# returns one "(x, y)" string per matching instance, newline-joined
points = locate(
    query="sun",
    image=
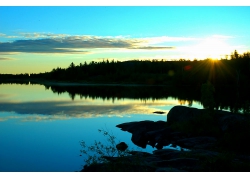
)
(212, 47)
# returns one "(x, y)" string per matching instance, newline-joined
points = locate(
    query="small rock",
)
(122, 146)
(159, 112)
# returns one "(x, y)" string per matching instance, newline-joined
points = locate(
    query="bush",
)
(96, 152)
(107, 158)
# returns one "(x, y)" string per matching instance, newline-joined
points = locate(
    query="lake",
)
(41, 126)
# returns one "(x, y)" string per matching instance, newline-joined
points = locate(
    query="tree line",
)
(233, 72)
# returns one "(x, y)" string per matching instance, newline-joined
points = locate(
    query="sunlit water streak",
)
(41, 131)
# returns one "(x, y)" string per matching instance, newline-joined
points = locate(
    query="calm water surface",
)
(40, 130)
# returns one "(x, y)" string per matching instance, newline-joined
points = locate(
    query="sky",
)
(36, 39)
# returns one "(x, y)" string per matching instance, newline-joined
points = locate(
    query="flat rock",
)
(195, 141)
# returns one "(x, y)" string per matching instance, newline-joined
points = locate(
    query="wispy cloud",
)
(6, 59)
(79, 110)
(162, 39)
(82, 44)
(152, 48)
(6, 36)
(36, 35)
(3, 119)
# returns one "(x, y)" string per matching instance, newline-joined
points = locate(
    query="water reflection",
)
(226, 98)
(86, 108)
(57, 118)
(96, 101)
(88, 102)
(114, 93)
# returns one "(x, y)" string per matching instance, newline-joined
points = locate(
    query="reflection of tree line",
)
(121, 92)
(225, 98)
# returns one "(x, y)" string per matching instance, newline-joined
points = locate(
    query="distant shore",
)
(94, 84)
(66, 83)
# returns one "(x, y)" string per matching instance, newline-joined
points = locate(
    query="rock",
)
(167, 169)
(137, 125)
(159, 133)
(182, 113)
(134, 126)
(92, 168)
(111, 158)
(122, 146)
(225, 119)
(177, 135)
(159, 112)
(204, 153)
(163, 151)
(167, 160)
(229, 121)
(195, 141)
(139, 130)
(159, 138)
(139, 139)
(140, 153)
(204, 146)
(167, 153)
(179, 163)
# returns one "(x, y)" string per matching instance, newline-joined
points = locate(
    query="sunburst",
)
(212, 48)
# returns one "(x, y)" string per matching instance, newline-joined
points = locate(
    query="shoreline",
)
(65, 83)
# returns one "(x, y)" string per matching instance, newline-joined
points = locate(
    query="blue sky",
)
(38, 39)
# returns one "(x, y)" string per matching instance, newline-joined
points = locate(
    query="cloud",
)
(64, 45)
(152, 48)
(12, 36)
(3, 119)
(38, 46)
(163, 39)
(42, 35)
(66, 108)
(6, 59)
(5, 36)
(81, 44)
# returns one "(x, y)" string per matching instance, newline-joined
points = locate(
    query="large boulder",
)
(182, 113)
(226, 120)
(145, 132)
(147, 125)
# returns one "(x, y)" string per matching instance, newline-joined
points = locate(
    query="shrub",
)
(108, 158)
(96, 152)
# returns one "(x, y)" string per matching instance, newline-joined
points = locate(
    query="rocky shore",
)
(208, 141)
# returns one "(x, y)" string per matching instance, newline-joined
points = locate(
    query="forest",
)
(233, 72)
